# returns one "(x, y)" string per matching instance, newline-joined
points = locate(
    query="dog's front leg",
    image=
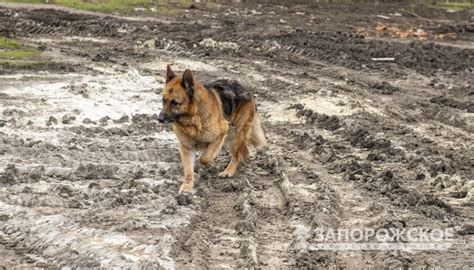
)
(187, 158)
(212, 150)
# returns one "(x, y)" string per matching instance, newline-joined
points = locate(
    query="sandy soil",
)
(89, 177)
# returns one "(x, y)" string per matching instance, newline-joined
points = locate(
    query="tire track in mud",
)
(88, 194)
(337, 204)
(352, 206)
(343, 49)
(387, 148)
(90, 207)
(339, 48)
(389, 211)
(438, 159)
(66, 243)
(244, 222)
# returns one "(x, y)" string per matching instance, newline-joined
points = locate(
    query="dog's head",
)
(178, 96)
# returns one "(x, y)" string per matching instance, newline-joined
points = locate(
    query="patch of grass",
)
(101, 5)
(7, 43)
(13, 53)
(111, 5)
(18, 54)
(454, 5)
(22, 64)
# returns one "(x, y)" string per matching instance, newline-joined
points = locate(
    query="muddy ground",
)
(89, 177)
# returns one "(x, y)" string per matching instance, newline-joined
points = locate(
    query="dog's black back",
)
(231, 94)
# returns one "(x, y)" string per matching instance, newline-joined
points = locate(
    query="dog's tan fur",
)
(200, 123)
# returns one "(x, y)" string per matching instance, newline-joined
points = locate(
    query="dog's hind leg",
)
(243, 126)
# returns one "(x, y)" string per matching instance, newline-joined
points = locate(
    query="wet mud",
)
(89, 177)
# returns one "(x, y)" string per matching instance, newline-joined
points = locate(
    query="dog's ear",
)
(187, 82)
(169, 74)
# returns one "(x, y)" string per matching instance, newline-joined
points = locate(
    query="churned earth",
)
(89, 177)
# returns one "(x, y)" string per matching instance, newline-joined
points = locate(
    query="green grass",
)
(162, 6)
(454, 5)
(18, 54)
(22, 64)
(12, 52)
(6, 43)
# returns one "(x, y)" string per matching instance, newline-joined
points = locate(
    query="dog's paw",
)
(226, 173)
(204, 161)
(186, 187)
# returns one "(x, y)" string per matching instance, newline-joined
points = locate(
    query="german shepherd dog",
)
(201, 115)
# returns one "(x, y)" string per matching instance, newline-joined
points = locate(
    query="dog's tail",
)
(257, 136)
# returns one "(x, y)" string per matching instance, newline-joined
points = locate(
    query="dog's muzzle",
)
(166, 119)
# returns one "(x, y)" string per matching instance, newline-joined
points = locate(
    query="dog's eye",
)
(174, 102)
(163, 100)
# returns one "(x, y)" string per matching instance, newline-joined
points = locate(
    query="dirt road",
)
(89, 177)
